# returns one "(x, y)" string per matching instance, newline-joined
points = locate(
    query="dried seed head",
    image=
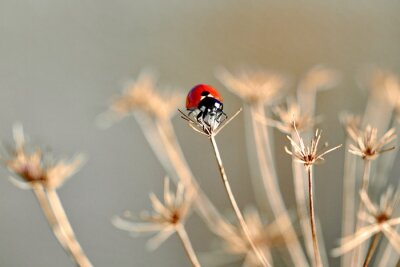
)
(367, 145)
(264, 236)
(307, 155)
(291, 116)
(379, 220)
(253, 86)
(204, 128)
(142, 96)
(319, 78)
(165, 216)
(36, 167)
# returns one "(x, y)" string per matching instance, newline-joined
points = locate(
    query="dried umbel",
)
(308, 155)
(264, 236)
(165, 217)
(378, 219)
(143, 96)
(36, 167)
(291, 118)
(367, 145)
(253, 86)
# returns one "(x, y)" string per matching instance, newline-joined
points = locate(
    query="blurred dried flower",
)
(382, 84)
(379, 219)
(264, 236)
(291, 116)
(142, 95)
(253, 86)
(207, 129)
(165, 217)
(35, 167)
(320, 78)
(307, 155)
(367, 145)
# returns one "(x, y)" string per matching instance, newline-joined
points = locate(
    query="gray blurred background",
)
(62, 61)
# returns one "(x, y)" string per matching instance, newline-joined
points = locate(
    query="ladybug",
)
(205, 102)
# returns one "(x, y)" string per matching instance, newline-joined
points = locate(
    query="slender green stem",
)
(235, 207)
(371, 249)
(312, 218)
(180, 230)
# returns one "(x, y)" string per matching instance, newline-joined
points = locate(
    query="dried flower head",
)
(165, 218)
(307, 155)
(207, 129)
(367, 145)
(319, 78)
(142, 95)
(379, 220)
(37, 168)
(264, 236)
(253, 86)
(383, 84)
(291, 116)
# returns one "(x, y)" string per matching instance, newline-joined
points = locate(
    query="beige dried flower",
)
(367, 145)
(36, 167)
(291, 116)
(253, 86)
(207, 129)
(142, 95)
(264, 236)
(307, 155)
(383, 84)
(379, 220)
(319, 78)
(165, 218)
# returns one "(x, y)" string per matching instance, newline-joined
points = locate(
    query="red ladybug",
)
(205, 102)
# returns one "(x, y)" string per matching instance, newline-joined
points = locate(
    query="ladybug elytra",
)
(205, 102)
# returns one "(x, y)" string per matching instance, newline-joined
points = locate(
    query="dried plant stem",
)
(51, 206)
(235, 207)
(269, 183)
(371, 249)
(312, 218)
(162, 139)
(366, 174)
(357, 254)
(349, 197)
(40, 194)
(300, 187)
(180, 230)
(72, 243)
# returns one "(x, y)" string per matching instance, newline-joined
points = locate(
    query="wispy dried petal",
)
(366, 142)
(36, 167)
(253, 86)
(382, 222)
(165, 216)
(308, 155)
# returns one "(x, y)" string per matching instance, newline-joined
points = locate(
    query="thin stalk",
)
(72, 243)
(300, 190)
(180, 230)
(349, 198)
(269, 184)
(312, 218)
(235, 207)
(40, 194)
(365, 179)
(357, 254)
(163, 141)
(371, 249)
